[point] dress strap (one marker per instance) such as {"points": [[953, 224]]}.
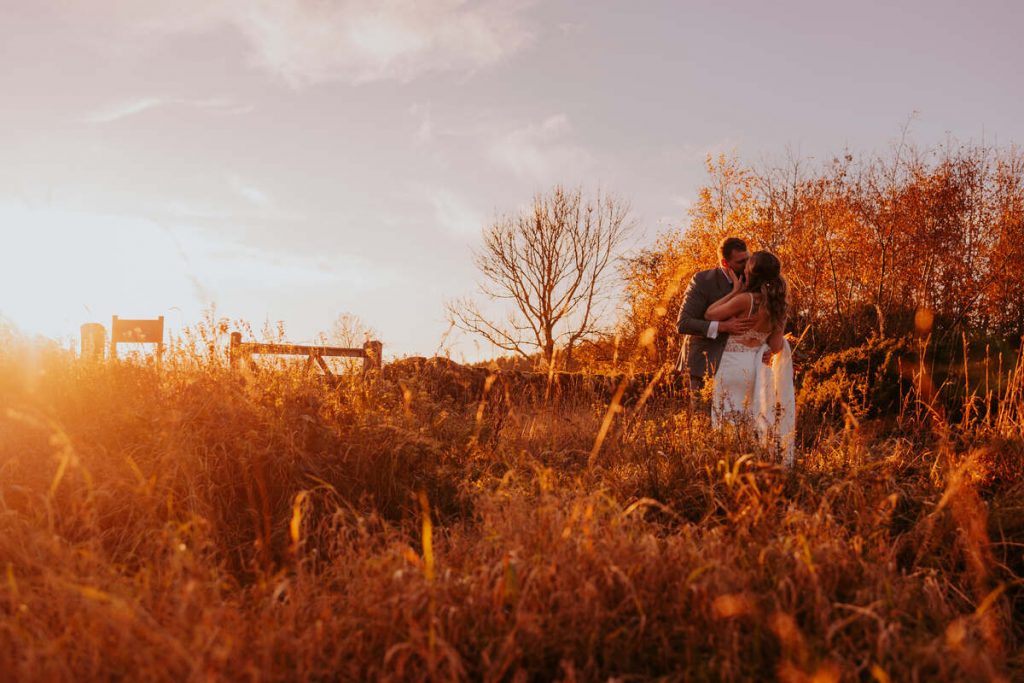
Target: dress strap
{"points": [[751, 311]]}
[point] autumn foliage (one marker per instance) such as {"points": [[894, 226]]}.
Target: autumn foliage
{"points": [[865, 243]]}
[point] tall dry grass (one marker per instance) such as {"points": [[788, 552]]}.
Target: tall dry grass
{"points": [[187, 523]]}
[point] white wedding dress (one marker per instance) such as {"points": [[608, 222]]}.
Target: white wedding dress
{"points": [[749, 392]]}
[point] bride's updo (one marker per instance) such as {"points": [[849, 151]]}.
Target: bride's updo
{"points": [[766, 278]]}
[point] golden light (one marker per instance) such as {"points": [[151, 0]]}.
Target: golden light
{"points": [[60, 269]]}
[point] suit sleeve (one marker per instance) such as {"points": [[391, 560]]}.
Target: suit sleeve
{"points": [[691, 315]]}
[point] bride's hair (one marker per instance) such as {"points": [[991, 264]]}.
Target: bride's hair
{"points": [[766, 279]]}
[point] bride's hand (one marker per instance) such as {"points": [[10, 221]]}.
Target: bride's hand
{"points": [[737, 284]]}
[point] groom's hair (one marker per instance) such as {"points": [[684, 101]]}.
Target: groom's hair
{"points": [[729, 245]]}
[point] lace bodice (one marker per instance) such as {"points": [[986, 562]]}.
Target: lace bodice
{"points": [[750, 341]]}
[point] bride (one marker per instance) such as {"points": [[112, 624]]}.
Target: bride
{"points": [[754, 380]]}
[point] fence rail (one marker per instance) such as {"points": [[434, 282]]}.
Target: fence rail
{"points": [[371, 353]]}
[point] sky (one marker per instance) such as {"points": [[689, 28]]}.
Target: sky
{"points": [[293, 160]]}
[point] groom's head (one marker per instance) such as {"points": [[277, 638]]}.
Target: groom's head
{"points": [[734, 254]]}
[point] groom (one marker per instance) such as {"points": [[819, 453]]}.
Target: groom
{"points": [[705, 340]]}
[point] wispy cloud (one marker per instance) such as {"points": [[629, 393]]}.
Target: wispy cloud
{"points": [[124, 109], [137, 105], [681, 201], [245, 266], [459, 217], [361, 41], [543, 152], [249, 192], [355, 41]]}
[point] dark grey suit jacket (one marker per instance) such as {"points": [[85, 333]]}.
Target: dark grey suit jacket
{"points": [[699, 355]]}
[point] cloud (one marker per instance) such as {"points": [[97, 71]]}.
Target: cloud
{"points": [[354, 41], [681, 201], [542, 152], [235, 265], [453, 212], [137, 105], [124, 109], [250, 193]]}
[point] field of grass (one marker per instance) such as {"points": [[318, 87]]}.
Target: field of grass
{"points": [[194, 523]]}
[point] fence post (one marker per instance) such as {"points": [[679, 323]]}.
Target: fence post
{"points": [[113, 338], [374, 351], [94, 341], [233, 350], [160, 345]]}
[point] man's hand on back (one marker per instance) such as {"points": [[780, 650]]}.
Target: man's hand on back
{"points": [[736, 325]]}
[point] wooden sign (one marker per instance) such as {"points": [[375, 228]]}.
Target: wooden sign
{"points": [[126, 331]]}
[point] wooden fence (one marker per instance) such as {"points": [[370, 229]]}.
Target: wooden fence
{"points": [[371, 353]]}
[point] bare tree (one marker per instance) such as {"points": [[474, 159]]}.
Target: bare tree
{"points": [[550, 264], [349, 331]]}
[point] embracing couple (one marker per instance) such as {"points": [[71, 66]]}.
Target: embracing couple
{"points": [[733, 319]]}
